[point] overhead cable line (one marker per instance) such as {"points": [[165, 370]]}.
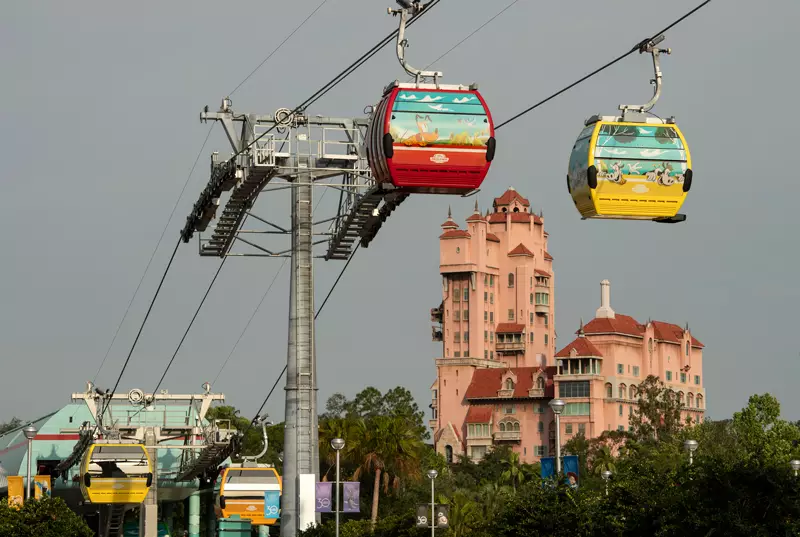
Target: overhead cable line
{"points": [[276, 49], [636, 48], [341, 76], [319, 310]]}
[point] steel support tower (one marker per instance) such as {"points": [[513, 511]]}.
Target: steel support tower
{"points": [[305, 152]]}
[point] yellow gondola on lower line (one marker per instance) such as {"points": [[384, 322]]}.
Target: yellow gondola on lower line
{"points": [[116, 473], [242, 492]]}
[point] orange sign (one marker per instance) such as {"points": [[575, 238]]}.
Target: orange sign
{"points": [[16, 491], [42, 486]]}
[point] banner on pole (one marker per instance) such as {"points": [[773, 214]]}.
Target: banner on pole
{"points": [[422, 516], [16, 491], [442, 516], [323, 497], [351, 496], [42, 484], [571, 470], [548, 467], [272, 504]]}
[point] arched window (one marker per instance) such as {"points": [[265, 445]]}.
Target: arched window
{"points": [[690, 400], [632, 392], [531, 298], [448, 453], [687, 348], [609, 391], [509, 384], [622, 391], [680, 397], [540, 383], [699, 401], [511, 279], [516, 426], [502, 426]]}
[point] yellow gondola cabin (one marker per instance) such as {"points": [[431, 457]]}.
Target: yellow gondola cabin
{"points": [[116, 473], [633, 166], [242, 492]]}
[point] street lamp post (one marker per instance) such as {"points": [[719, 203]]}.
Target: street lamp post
{"points": [[795, 464], [557, 405], [432, 475], [337, 444], [606, 475], [30, 433], [690, 446]]}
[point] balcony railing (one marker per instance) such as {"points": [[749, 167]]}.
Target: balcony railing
{"points": [[536, 392], [542, 308], [507, 436], [514, 346], [505, 393]]}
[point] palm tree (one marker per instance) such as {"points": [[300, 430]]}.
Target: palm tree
{"points": [[345, 428], [464, 513], [513, 471], [603, 460], [388, 447], [493, 496]]}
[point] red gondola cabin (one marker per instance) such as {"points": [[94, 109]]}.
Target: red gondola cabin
{"points": [[425, 138]]}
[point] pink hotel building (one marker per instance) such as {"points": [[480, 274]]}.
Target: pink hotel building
{"points": [[499, 366]]}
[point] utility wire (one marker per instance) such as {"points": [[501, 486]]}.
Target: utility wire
{"points": [[341, 76], [141, 328], [604, 67], [475, 31], [319, 310], [278, 47]]}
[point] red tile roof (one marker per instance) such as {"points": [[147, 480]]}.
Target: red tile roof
{"points": [[486, 382], [492, 237], [509, 196], [455, 234], [624, 324], [509, 328], [479, 414], [548, 257], [475, 217], [583, 346], [542, 272], [450, 223], [521, 250], [621, 324]]}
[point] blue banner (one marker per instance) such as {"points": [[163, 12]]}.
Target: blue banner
{"points": [[323, 502], [571, 470], [351, 492], [548, 467], [272, 504]]}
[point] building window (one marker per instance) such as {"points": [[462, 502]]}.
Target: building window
{"points": [[491, 298], [485, 296], [486, 335], [540, 383], [491, 280], [620, 428], [511, 279], [697, 379], [457, 354], [609, 391], [582, 429], [669, 375], [636, 371], [620, 369], [457, 315], [466, 294], [540, 451], [620, 410], [491, 355], [458, 250], [531, 315], [485, 355], [466, 315], [457, 337], [546, 319], [448, 454], [577, 409], [687, 348], [510, 314], [541, 427], [491, 316], [509, 384], [578, 388], [531, 298], [690, 400], [568, 428], [491, 337], [466, 337], [545, 340], [485, 315], [510, 409], [683, 378], [457, 294], [531, 337]]}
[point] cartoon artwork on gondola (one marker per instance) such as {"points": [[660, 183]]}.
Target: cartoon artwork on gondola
{"points": [[439, 118]]}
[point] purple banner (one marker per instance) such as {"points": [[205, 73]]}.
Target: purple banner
{"points": [[350, 502], [323, 501]]}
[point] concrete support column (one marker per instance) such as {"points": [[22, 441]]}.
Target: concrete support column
{"points": [[211, 516], [148, 514], [168, 510], [194, 514]]}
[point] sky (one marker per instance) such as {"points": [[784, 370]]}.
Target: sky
{"points": [[101, 106]]}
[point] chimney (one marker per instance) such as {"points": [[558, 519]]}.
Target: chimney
{"points": [[605, 311]]}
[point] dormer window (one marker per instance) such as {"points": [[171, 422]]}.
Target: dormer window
{"points": [[540, 383], [509, 384]]}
